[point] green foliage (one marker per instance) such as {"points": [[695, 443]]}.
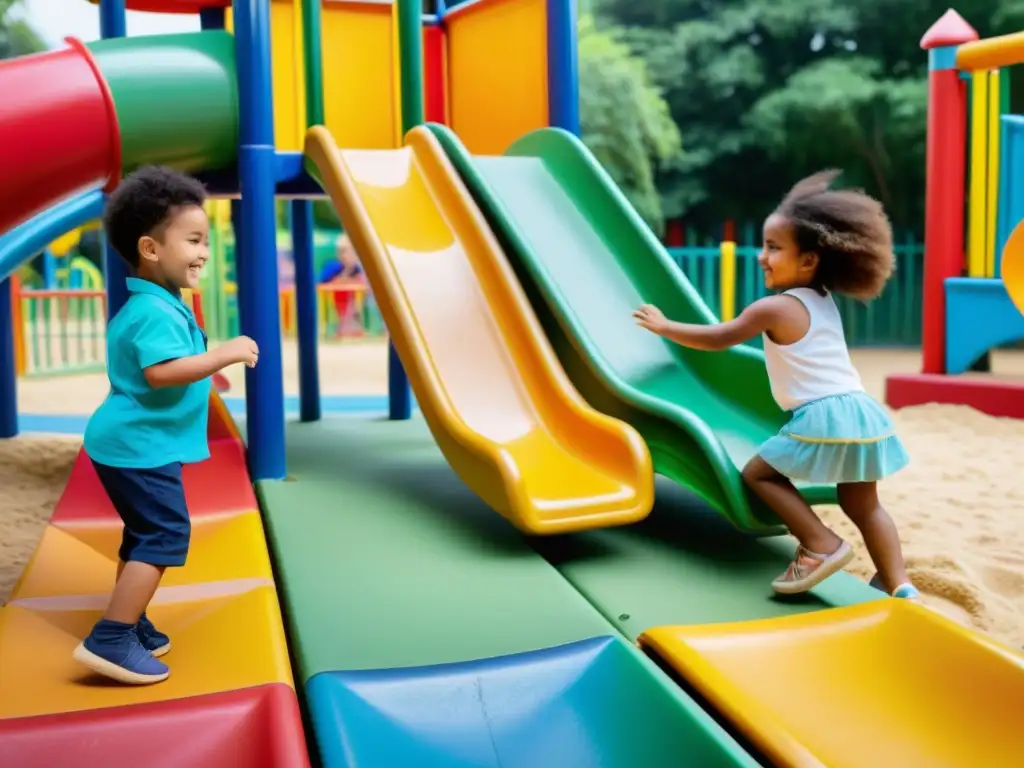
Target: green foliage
{"points": [[765, 92], [16, 37], [624, 119]]}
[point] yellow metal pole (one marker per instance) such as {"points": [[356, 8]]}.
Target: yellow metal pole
{"points": [[992, 198], [977, 215], [727, 275], [17, 326]]}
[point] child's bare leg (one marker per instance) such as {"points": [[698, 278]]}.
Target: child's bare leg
{"points": [[821, 552], [136, 584], [860, 503], [785, 500]]}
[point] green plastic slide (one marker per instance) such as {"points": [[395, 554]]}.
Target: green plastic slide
{"points": [[586, 260]]}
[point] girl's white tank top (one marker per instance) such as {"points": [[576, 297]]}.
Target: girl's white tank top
{"points": [[816, 366]]}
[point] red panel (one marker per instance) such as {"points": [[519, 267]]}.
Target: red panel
{"points": [[434, 77], [220, 485], [991, 396], [58, 131], [250, 728]]}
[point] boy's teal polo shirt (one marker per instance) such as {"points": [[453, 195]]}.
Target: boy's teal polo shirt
{"points": [[137, 426]]}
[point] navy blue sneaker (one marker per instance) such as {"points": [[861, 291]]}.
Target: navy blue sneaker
{"points": [[113, 650], [152, 639]]}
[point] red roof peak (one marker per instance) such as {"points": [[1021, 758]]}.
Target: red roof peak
{"points": [[950, 29]]}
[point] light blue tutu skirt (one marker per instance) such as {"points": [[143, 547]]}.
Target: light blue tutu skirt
{"points": [[839, 439]]}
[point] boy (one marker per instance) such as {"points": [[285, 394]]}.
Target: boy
{"points": [[154, 418], [345, 269]]}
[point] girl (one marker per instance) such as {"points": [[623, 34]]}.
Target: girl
{"points": [[817, 242]]}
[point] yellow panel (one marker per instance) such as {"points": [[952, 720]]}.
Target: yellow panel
{"points": [[359, 56], [220, 644], [497, 401], [81, 559], [884, 683], [977, 215], [497, 72], [287, 75], [992, 195]]}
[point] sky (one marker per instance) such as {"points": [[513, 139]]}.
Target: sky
{"points": [[55, 19]]}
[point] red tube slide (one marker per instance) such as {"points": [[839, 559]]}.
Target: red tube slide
{"points": [[58, 131]]}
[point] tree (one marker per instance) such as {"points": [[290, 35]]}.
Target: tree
{"points": [[17, 38], [624, 119], [765, 92]]}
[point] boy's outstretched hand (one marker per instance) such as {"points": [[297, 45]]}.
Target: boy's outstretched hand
{"points": [[650, 317], [241, 349]]}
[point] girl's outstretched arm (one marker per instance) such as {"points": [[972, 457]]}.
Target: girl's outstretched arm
{"points": [[760, 317]]}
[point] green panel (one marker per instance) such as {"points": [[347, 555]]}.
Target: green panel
{"points": [[685, 564], [176, 98], [387, 560], [586, 260]]}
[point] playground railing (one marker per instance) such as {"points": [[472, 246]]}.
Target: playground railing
{"points": [[893, 319], [343, 311], [61, 331], [362, 317]]}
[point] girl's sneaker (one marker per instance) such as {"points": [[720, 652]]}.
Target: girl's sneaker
{"points": [[113, 650], [809, 569], [907, 592], [152, 639]]}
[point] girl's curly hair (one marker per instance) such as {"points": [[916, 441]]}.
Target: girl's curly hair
{"points": [[847, 229]]}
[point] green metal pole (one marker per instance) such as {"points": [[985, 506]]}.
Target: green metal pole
{"points": [[410, 47], [312, 54]]}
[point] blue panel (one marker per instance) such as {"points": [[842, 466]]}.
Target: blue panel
{"points": [[979, 316], [1010, 210], [594, 702], [942, 58]]}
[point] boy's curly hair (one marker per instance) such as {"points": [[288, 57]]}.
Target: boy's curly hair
{"points": [[142, 205], [847, 229]]}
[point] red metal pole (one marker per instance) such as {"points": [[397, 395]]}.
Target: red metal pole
{"points": [[434, 75], [944, 207]]}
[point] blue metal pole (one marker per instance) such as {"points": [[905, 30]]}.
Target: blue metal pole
{"points": [[114, 24], [563, 68], [306, 306], [258, 288], [8, 374]]}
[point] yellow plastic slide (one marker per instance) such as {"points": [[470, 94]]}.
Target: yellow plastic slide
{"points": [[491, 389]]}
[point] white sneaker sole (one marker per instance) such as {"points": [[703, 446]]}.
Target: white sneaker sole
{"points": [[103, 667], [162, 650]]}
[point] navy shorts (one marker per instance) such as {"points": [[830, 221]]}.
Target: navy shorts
{"points": [[151, 503]]}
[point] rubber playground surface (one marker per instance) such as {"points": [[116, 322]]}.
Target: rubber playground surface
{"points": [[414, 598]]}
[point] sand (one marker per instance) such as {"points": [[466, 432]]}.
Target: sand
{"points": [[959, 506], [33, 471]]}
